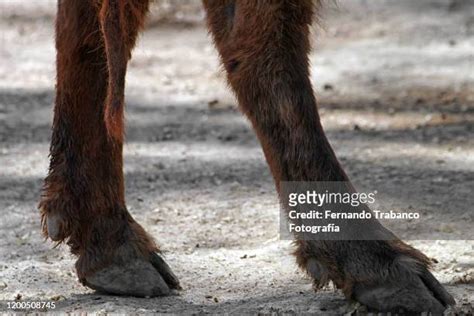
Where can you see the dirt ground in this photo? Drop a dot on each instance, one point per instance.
(395, 83)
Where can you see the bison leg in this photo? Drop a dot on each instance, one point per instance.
(83, 200)
(264, 48)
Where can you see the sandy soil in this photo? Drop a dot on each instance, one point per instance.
(394, 81)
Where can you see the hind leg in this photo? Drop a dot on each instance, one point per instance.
(83, 200)
(264, 48)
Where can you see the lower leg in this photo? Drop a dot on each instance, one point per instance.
(264, 47)
(83, 200)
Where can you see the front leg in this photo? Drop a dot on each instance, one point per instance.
(264, 47)
(83, 201)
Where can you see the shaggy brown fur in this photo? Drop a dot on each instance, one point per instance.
(265, 52)
(84, 190)
(264, 48)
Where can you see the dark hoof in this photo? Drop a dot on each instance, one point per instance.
(54, 227)
(419, 292)
(318, 273)
(165, 271)
(136, 277)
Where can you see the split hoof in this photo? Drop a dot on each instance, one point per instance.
(419, 293)
(137, 277)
